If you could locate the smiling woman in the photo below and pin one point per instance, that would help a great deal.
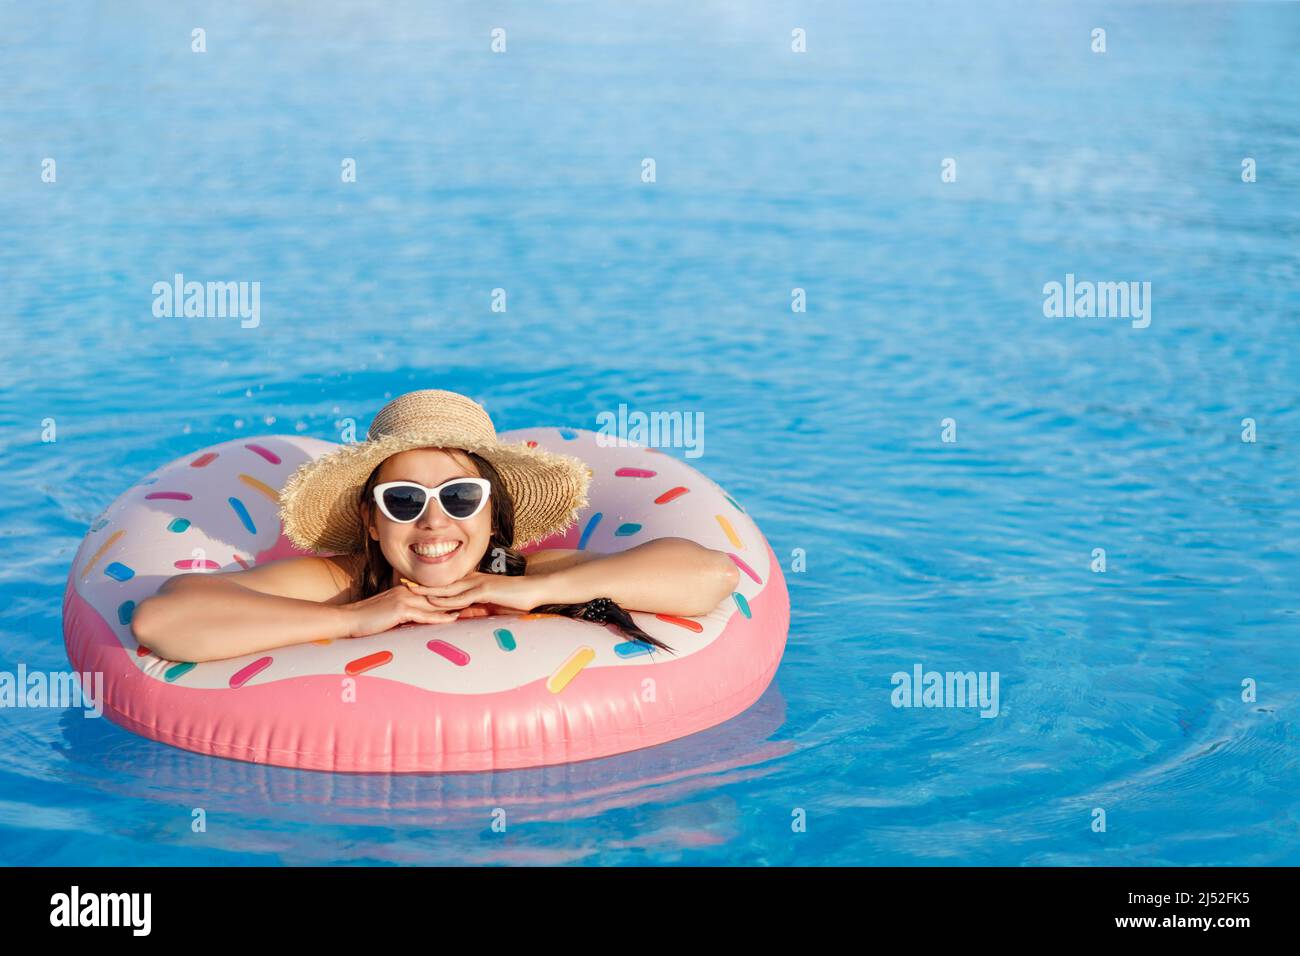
(439, 624)
(433, 540)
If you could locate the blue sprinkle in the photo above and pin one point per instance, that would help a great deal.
(586, 532)
(178, 671)
(124, 612)
(568, 435)
(742, 604)
(99, 524)
(149, 481)
(733, 503)
(243, 514)
(119, 572)
(625, 529)
(178, 524)
(505, 640)
(633, 648)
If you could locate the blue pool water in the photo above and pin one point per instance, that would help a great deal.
(1119, 690)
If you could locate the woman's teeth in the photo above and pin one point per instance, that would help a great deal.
(435, 550)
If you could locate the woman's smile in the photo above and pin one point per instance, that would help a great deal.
(436, 551)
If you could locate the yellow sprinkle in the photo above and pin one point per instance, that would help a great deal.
(112, 539)
(261, 486)
(570, 669)
(730, 531)
(533, 617)
(324, 641)
(409, 581)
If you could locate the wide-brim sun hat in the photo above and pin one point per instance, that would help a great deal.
(319, 501)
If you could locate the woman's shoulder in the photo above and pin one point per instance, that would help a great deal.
(326, 579)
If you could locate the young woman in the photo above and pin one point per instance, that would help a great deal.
(425, 519)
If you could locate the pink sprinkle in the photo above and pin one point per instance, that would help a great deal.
(169, 495)
(193, 564)
(266, 453)
(635, 473)
(203, 460)
(241, 676)
(449, 651)
(242, 563)
(745, 567)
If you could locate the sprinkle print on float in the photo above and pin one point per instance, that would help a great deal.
(508, 692)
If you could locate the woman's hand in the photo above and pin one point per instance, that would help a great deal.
(387, 609)
(478, 594)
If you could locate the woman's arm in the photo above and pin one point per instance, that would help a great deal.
(201, 616)
(664, 576)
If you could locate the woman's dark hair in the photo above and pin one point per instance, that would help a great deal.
(500, 558)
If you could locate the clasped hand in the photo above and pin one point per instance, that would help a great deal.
(478, 594)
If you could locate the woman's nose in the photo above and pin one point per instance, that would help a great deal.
(434, 518)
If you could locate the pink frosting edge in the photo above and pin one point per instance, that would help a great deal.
(599, 714)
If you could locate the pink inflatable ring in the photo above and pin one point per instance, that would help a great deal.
(488, 693)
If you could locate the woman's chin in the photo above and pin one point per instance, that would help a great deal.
(436, 575)
(433, 577)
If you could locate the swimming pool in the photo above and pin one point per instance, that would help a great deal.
(1118, 690)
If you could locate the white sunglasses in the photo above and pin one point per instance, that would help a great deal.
(459, 498)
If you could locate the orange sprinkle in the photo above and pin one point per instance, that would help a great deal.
(570, 669)
(690, 625)
(369, 662)
(260, 486)
(112, 540)
(670, 494)
(730, 532)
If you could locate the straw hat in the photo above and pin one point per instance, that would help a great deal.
(318, 505)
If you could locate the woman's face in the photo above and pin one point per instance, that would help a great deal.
(399, 542)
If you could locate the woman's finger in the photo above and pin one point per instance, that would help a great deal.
(460, 600)
(431, 616)
(456, 600)
(442, 590)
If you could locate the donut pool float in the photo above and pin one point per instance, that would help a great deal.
(490, 693)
